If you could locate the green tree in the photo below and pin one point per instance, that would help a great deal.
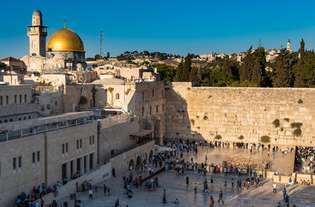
(246, 67)
(194, 76)
(304, 70)
(187, 68)
(179, 72)
(167, 72)
(183, 70)
(281, 77)
(2, 66)
(302, 49)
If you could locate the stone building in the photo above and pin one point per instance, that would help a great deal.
(45, 150)
(145, 99)
(64, 50)
(16, 103)
(60, 148)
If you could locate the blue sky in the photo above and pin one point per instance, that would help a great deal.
(174, 26)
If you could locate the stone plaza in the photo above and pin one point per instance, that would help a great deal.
(193, 194)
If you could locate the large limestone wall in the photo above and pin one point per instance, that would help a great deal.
(114, 135)
(241, 114)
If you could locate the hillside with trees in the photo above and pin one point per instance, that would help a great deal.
(296, 69)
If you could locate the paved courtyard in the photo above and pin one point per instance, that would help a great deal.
(282, 163)
(176, 187)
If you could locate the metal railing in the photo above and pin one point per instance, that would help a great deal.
(34, 130)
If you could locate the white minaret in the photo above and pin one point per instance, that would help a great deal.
(37, 34)
(289, 47)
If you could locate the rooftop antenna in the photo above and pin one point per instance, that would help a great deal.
(101, 43)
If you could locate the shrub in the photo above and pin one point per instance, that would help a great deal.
(276, 123)
(265, 139)
(218, 136)
(297, 132)
(300, 101)
(296, 125)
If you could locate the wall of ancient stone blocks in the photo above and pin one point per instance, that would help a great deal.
(276, 116)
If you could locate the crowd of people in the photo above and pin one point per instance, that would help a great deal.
(35, 197)
(177, 157)
(305, 159)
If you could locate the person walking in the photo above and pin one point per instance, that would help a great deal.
(117, 202)
(221, 198)
(105, 189)
(211, 202)
(232, 184)
(274, 188)
(164, 197)
(91, 194)
(205, 186)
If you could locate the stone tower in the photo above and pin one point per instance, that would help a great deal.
(289, 47)
(37, 34)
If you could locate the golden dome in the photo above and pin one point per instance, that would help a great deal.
(64, 40)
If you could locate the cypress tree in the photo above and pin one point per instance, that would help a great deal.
(281, 76)
(179, 72)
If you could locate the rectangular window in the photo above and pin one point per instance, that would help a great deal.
(91, 160)
(80, 143)
(85, 163)
(79, 166)
(150, 110)
(1, 101)
(93, 139)
(64, 171)
(25, 98)
(7, 100)
(63, 148)
(15, 99)
(142, 111)
(152, 92)
(20, 98)
(71, 168)
(14, 163)
(157, 108)
(67, 147)
(38, 156)
(33, 157)
(20, 161)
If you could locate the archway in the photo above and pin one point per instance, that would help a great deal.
(131, 165)
(138, 162)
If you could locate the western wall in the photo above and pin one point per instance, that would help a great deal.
(270, 116)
